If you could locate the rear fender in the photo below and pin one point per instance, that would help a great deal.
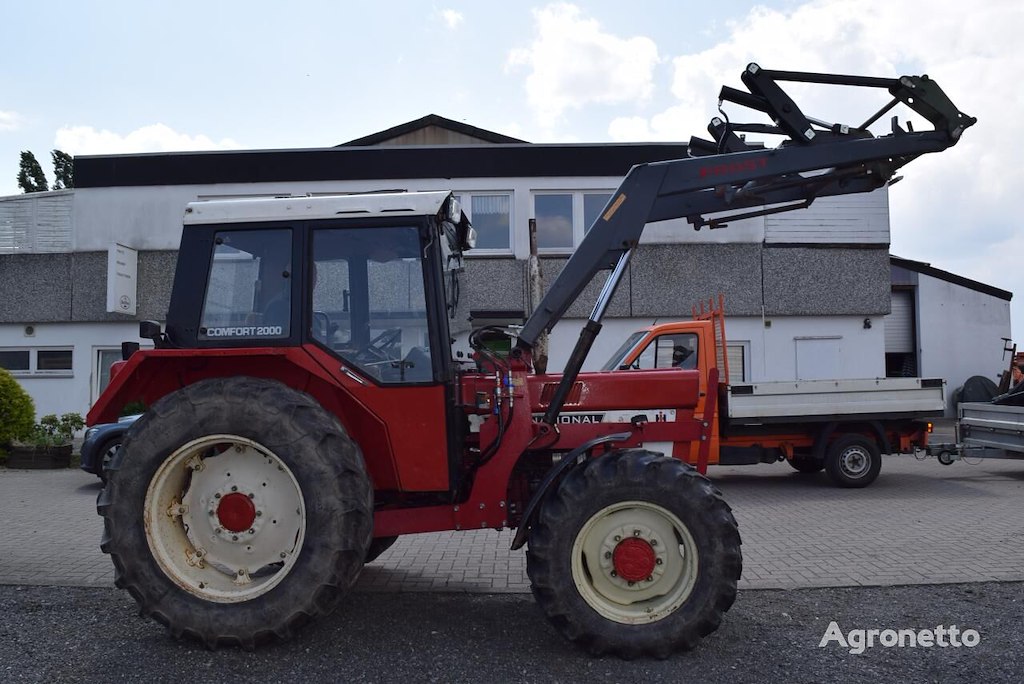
(873, 428)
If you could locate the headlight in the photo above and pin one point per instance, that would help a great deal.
(91, 432)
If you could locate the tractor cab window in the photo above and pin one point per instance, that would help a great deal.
(670, 351)
(248, 294)
(368, 301)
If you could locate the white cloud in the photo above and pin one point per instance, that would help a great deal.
(573, 63)
(955, 209)
(153, 138)
(452, 18)
(9, 121)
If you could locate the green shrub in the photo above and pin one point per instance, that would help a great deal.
(17, 412)
(54, 431)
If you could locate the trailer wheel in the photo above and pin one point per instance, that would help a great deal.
(635, 554)
(853, 461)
(807, 464)
(243, 511)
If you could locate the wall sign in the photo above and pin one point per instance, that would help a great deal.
(122, 279)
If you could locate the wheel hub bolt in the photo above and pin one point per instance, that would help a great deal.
(607, 554)
(618, 538)
(614, 574)
(636, 533)
(658, 561)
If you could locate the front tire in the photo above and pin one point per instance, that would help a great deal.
(241, 511)
(635, 554)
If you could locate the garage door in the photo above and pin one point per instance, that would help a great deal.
(899, 324)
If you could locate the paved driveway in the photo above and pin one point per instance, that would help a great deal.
(919, 523)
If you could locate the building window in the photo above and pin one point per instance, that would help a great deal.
(554, 221)
(563, 218)
(37, 362)
(15, 360)
(738, 353)
(105, 358)
(491, 215)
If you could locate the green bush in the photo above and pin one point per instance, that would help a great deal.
(54, 431)
(17, 412)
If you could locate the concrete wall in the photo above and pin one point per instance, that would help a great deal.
(960, 333)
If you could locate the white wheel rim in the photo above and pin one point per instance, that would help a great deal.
(672, 569)
(196, 505)
(855, 461)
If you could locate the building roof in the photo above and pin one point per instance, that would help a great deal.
(426, 122)
(929, 270)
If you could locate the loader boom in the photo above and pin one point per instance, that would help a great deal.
(727, 179)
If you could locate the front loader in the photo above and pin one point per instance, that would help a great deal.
(306, 409)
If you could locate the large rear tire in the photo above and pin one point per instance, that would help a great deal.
(237, 510)
(635, 554)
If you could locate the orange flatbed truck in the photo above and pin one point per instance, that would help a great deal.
(841, 426)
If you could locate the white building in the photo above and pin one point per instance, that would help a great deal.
(808, 293)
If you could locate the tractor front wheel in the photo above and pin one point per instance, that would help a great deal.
(635, 554)
(241, 511)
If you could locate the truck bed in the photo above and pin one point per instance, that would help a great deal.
(823, 400)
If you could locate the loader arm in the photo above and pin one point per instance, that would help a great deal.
(728, 179)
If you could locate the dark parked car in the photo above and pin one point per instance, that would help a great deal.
(102, 442)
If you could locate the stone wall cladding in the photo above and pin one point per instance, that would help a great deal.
(36, 288)
(802, 281)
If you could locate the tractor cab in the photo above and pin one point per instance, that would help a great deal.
(370, 279)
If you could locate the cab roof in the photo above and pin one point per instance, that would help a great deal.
(323, 207)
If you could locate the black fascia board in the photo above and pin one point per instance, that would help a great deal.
(368, 163)
(929, 270)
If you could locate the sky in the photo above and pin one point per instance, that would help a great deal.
(120, 76)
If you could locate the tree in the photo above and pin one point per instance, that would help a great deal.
(30, 174)
(63, 170)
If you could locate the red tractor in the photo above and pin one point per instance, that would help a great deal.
(305, 408)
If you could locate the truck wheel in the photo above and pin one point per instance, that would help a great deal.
(243, 512)
(634, 554)
(853, 461)
(806, 464)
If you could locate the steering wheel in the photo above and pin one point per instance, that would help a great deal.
(376, 347)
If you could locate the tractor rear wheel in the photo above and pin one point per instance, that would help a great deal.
(635, 554)
(241, 511)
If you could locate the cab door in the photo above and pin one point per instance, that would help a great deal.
(372, 322)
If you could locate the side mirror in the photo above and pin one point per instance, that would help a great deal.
(150, 330)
